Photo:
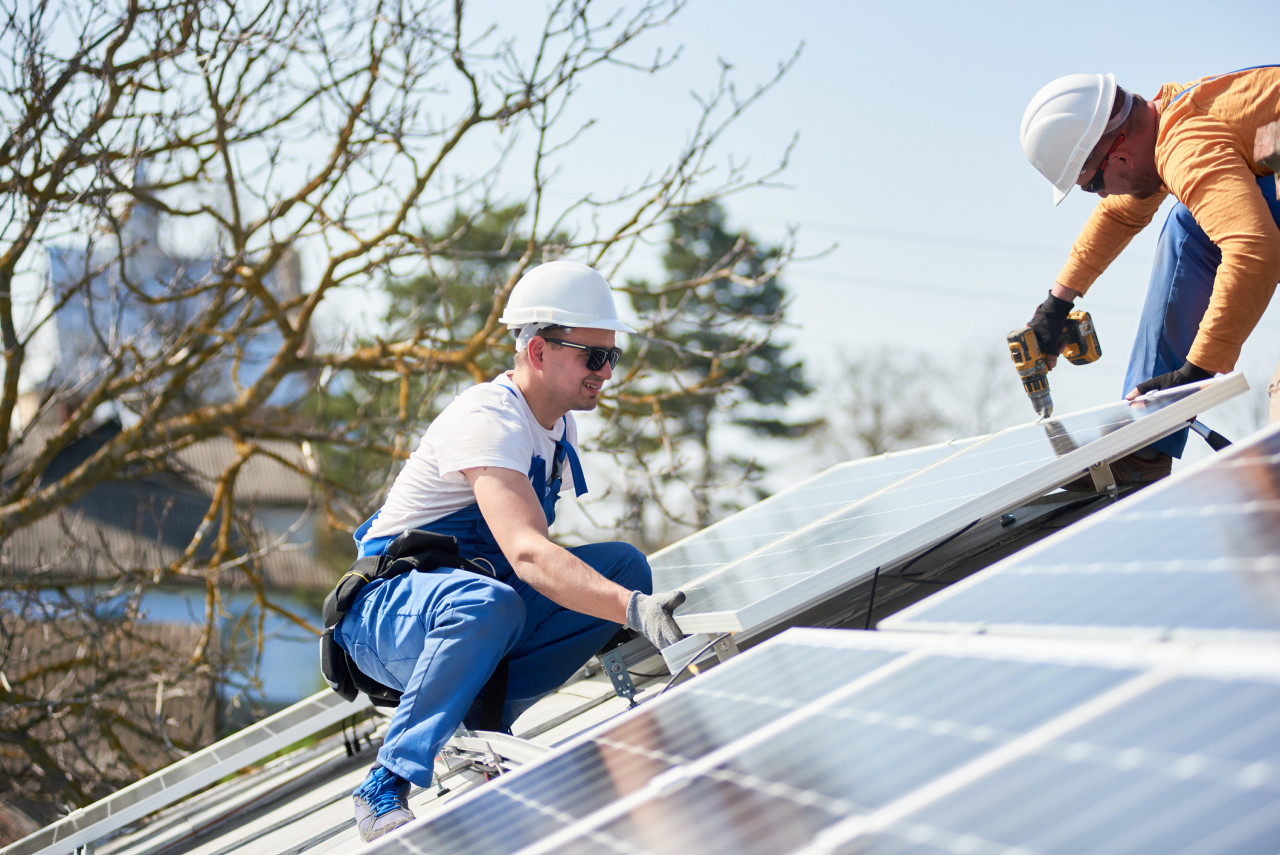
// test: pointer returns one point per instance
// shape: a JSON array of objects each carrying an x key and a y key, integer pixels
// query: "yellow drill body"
[
  {"x": 1080, "y": 347},
  {"x": 1080, "y": 343},
  {"x": 1032, "y": 368}
]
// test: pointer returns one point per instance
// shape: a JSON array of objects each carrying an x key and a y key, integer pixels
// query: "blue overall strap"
[
  {"x": 566, "y": 452},
  {"x": 547, "y": 492},
  {"x": 1216, "y": 76},
  {"x": 563, "y": 453}
]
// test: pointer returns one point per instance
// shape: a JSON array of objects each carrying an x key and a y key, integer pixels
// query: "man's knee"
[
  {"x": 488, "y": 604},
  {"x": 619, "y": 562}
]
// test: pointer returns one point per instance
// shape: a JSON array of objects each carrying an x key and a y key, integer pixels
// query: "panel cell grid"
[
  {"x": 861, "y": 749},
  {"x": 705, "y": 715},
  {"x": 897, "y": 734},
  {"x": 1191, "y": 766},
  {"x": 788, "y": 511},
  {"x": 710, "y": 816}
]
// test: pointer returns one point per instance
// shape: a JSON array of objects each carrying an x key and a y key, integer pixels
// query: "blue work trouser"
[
  {"x": 1181, "y": 284},
  {"x": 437, "y": 637}
]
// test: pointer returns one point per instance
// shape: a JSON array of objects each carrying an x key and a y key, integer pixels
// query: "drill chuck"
[{"x": 1042, "y": 402}]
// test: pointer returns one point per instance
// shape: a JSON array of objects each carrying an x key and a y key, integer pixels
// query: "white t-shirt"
[{"x": 487, "y": 425}]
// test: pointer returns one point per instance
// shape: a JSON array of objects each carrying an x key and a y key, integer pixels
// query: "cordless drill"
[{"x": 1079, "y": 346}]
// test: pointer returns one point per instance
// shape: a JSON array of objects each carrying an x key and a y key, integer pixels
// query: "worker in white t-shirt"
[{"x": 488, "y": 471}]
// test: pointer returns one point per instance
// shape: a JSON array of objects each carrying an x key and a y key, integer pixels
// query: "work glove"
[
  {"x": 650, "y": 615},
  {"x": 1188, "y": 373},
  {"x": 1048, "y": 322}
]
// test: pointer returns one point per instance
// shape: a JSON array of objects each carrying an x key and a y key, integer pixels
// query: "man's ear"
[{"x": 536, "y": 351}]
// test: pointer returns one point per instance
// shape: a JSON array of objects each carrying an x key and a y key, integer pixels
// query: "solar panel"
[
  {"x": 986, "y": 477},
  {"x": 590, "y": 774},
  {"x": 685, "y": 561},
  {"x": 225, "y": 757},
  {"x": 1194, "y": 556},
  {"x": 1188, "y": 766},
  {"x": 837, "y": 740}
]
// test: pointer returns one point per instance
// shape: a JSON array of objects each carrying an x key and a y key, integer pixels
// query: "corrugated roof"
[{"x": 277, "y": 473}]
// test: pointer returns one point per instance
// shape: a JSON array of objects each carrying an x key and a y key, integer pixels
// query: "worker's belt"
[{"x": 414, "y": 550}]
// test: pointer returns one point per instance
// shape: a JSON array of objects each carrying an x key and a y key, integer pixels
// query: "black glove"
[
  {"x": 651, "y": 616},
  {"x": 1188, "y": 373},
  {"x": 1047, "y": 324}
]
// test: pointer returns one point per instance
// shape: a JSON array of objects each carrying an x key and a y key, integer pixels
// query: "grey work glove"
[{"x": 650, "y": 615}]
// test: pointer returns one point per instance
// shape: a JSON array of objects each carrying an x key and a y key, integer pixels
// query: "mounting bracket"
[
  {"x": 1104, "y": 481},
  {"x": 725, "y": 648}
]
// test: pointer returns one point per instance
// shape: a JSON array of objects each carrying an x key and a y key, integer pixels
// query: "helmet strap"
[{"x": 525, "y": 334}]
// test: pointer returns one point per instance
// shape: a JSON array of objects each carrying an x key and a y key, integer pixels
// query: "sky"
[
  {"x": 920, "y": 226},
  {"x": 908, "y": 179}
]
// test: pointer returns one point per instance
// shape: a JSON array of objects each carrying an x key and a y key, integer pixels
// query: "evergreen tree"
[{"x": 713, "y": 364}]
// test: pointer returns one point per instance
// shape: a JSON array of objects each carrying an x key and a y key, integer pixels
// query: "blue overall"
[
  {"x": 438, "y": 636},
  {"x": 1178, "y": 295}
]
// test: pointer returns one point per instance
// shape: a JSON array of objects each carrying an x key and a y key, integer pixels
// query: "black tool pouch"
[
  {"x": 413, "y": 550},
  {"x": 336, "y": 667}
]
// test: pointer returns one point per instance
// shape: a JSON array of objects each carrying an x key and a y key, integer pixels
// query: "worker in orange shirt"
[{"x": 1218, "y": 257}]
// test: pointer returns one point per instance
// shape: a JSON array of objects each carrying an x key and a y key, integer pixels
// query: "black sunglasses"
[
  {"x": 596, "y": 356},
  {"x": 1095, "y": 183}
]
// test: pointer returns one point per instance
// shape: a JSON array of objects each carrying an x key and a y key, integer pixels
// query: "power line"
[
  {"x": 913, "y": 236},
  {"x": 966, "y": 294}
]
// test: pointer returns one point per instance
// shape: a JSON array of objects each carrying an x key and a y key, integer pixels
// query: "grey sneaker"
[{"x": 382, "y": 804}]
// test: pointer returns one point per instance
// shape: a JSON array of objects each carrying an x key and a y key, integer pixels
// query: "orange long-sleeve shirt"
[{"x": 1204, "y": 155}]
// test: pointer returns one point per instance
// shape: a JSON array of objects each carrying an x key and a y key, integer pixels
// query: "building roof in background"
[
  {"x": 147, "y": 523},
  {"x": 130, "y": 527},
  {"x": 277, "y": 473}
]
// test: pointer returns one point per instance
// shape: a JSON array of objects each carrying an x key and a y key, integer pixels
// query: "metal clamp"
[{"x": 618, "y": 675}]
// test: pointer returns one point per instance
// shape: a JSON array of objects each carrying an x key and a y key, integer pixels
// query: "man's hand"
[
  {"x": 1047, "y": 323},
  {"x": 650, "y": 615},
  {"x": 1188, "y": 373}
]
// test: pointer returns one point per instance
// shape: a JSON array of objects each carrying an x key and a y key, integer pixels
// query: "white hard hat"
[
  {"x": 564, "y": 293},
  {"x": 1062, "y": 124}
]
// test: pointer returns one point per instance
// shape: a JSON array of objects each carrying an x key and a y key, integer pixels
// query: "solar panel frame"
[
  {"x": 1041, "y": 591},
  {"x": 1167, "y": 412}
]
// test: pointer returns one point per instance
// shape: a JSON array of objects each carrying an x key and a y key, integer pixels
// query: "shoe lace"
[{"x": 387, "y": 794}]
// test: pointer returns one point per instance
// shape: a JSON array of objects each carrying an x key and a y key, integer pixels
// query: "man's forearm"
[
  {"x": 568, "y": 581},
  {"x": 516, "y": 519}
]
